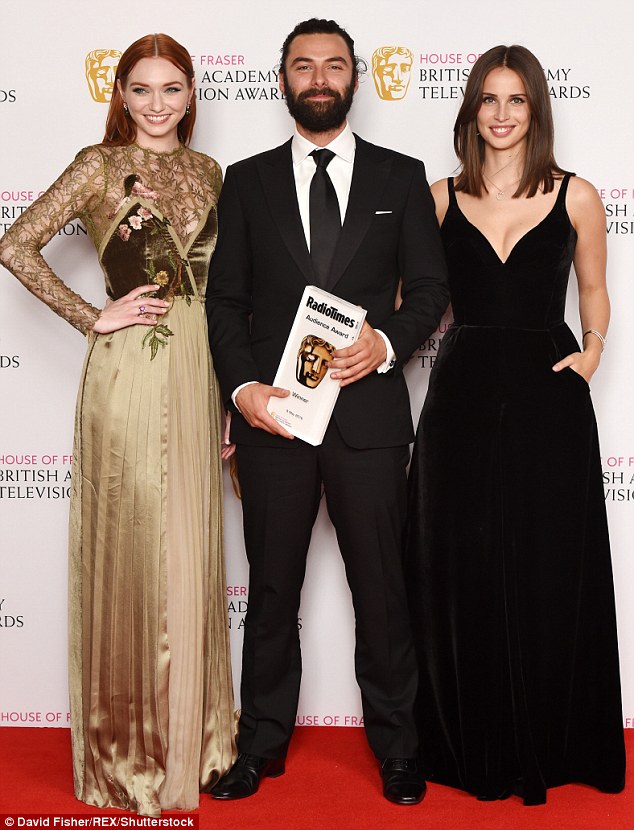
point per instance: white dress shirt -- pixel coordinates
(340, 172)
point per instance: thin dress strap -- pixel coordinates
(561, 196)
(452, 191)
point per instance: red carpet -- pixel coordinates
(331, 781)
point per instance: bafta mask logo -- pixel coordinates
(391, 70)
(101, 66)
(313, 358)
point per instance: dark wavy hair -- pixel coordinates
(540, 167)
(120, 128)
(316, 26)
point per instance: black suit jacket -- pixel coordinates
(262, 264)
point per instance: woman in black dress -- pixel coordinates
(507, 549)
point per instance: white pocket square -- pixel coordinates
(379, 212)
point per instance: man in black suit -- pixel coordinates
(385, 231)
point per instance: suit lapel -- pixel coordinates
(278, 182)
(369, 177)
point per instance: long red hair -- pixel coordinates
(120, 128)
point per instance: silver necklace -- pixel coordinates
(500, 194)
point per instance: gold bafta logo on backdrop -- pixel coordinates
(101, 66)
(391, 70)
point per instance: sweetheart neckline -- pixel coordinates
(521, 239)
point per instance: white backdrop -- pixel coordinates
(47, 114)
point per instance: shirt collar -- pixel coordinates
(343, 146)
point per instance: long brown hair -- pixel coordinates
(120, 128)
(540, 167)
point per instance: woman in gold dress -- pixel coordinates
(150, 675)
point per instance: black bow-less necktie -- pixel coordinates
(325, 217)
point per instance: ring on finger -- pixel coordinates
(141, 310)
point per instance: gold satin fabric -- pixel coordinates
(152, 712)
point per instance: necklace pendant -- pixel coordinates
(500, 195)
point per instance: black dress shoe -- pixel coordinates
(243, 779)
(403, 781)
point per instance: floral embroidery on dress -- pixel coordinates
(144, 218)
(135, 222)
(139, 189)
(133, 187)
(156, 336)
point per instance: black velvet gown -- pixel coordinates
(507, 554)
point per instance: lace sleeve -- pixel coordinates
(68, 197)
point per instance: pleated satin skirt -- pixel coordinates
(152, 712)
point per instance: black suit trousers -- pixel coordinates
(366, 496)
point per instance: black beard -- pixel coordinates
(319, 116)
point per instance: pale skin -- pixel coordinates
(503, 122)
(320, 61)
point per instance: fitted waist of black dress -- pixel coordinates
(472, 325)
